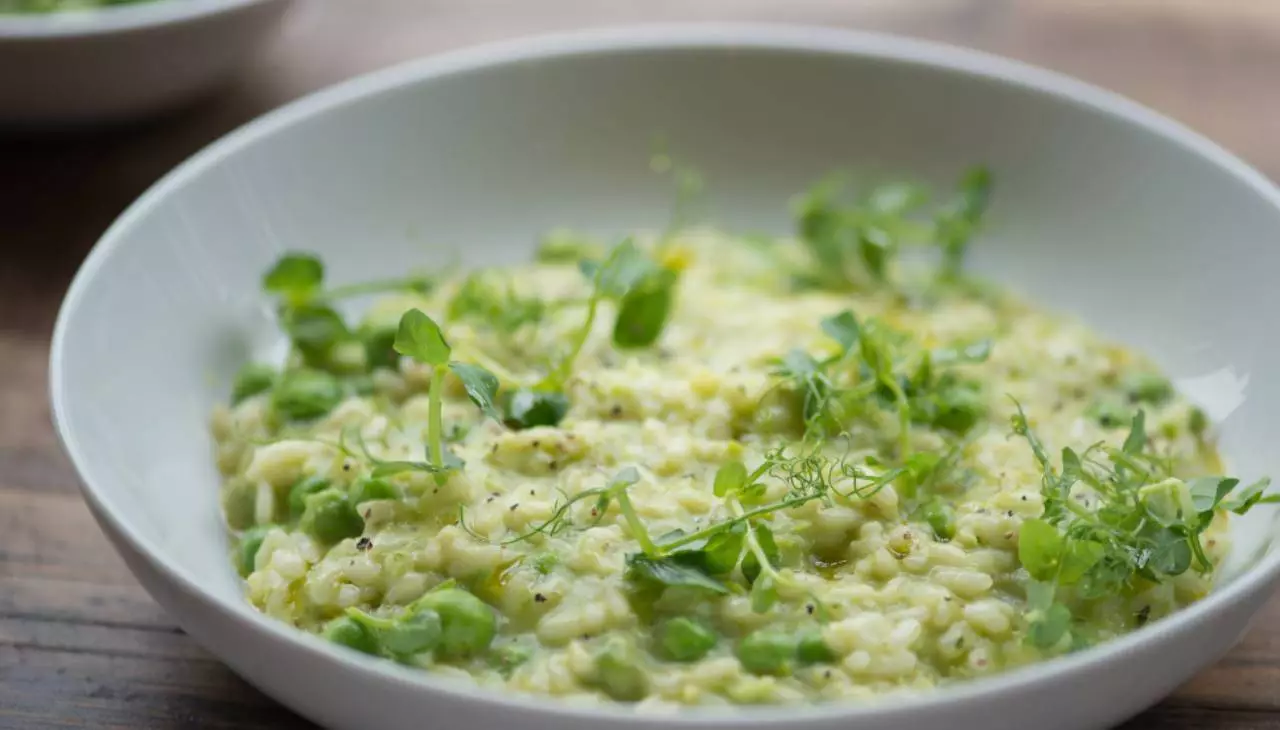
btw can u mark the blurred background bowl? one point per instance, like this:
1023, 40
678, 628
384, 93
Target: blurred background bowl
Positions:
127, 60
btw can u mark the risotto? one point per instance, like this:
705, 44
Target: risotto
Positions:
695, 468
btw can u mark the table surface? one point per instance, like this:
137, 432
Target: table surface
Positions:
82, 645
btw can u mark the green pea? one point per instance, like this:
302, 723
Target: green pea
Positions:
248, 546
252, 379
941, 518
467, 621
349, 633
1109, 413
367, 490
306, 394
413, 634
812, 649
299, 492
330, 517
378, 343
959, 408
685, 640
1147, 388
767, 652
619, 673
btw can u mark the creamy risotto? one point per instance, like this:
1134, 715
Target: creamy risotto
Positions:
694, 468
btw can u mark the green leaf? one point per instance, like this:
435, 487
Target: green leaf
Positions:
420, 338
723, 549
843, 328
1040, 549
295, 276
1252, 495
1040, 595
1046, 631
668, 573
481, 387
1072, 471
626, 266
527, 408
1172, 553
1136, 441
252, 379
1208, 492
764, 594
314, 329
875, 248
1080, 556
644, 310
730, 478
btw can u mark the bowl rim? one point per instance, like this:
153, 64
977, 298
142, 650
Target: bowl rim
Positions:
115, 18
650, 38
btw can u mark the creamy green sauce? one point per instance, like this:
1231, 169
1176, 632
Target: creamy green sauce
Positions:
765, 500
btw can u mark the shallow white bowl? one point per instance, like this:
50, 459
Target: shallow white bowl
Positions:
1102, 208
120, 61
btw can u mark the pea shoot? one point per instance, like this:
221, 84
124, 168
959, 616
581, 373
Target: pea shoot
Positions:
1113, 517
853, 244
644, 293
420, 338
315, 327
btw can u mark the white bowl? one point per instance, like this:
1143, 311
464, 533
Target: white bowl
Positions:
119, 61
1102, 208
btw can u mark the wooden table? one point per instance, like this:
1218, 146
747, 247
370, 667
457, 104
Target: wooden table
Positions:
81, 645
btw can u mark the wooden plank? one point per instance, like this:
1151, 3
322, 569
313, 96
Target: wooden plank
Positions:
54, 536
42, 688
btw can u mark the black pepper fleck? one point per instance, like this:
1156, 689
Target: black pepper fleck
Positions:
513, 506
615, 411
1009, 513
1144, 613
809, 609
364, 543
538, 597
535, 443
531, 491
553, 465
826, 674
346, 466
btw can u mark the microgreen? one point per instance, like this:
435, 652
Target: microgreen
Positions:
1112, 516
420, 338
305, 309
852, 242
643, 291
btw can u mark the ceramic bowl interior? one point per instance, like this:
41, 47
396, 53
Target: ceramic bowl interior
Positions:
1101, 209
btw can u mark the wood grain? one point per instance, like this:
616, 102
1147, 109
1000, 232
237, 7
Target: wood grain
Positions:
81, 645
